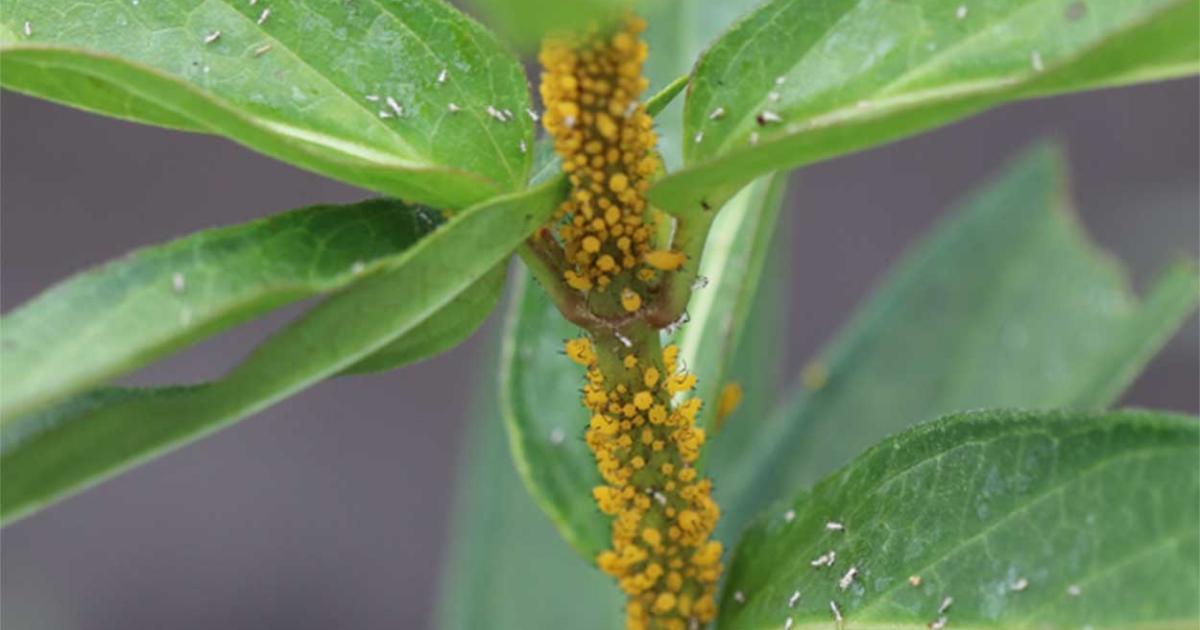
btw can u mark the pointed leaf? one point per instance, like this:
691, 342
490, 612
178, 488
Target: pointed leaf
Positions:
802, 80
304, 81
138, 308
52, 454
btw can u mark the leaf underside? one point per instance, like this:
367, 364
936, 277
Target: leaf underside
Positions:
802, 80
49, 455
125, 314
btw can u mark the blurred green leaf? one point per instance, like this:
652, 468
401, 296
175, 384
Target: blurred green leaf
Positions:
1008, 519
802, 80
304, 81
730, 269
49, 455
757, 365
526, 22
507, 567
539, 401
125, 314
1006, 304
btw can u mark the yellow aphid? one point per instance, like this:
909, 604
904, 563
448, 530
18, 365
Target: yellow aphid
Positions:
728, 401
814, 375
650, 377
591, 86
580, 351
664, 603
681, 383
578, 282
665, 260
630, 300
670, 356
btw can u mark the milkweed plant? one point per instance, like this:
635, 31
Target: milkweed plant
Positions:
640, 183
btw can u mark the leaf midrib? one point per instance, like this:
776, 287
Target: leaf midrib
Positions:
337, 89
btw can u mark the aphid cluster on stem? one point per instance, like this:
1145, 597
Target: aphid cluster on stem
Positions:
590, 85
663, 513
603, 248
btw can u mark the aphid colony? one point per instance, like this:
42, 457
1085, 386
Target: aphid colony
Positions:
590, 86
663, 513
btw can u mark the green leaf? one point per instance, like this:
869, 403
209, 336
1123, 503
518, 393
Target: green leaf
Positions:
730, 268
508, 569
449, 327
676, 33
1026, 520
1006, 304
49, 455
539, 400
843, 75
125, 314
757, 365
304, 81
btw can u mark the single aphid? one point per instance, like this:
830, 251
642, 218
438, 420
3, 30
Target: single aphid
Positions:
848, 578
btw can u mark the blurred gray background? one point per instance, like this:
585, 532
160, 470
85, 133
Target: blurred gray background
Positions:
330, 510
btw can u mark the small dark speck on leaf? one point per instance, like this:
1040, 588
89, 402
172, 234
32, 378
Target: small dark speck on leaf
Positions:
1075, 11
704, 204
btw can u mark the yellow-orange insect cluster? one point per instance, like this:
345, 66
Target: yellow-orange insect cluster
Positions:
590, 88
663, 513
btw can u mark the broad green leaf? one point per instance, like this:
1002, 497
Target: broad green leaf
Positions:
125, 314
507, 568
51, 454
802, 80
1006, 304
304, 81
449, 327
1007, 520
730, 268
